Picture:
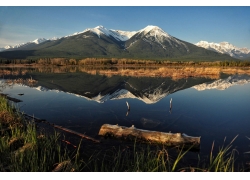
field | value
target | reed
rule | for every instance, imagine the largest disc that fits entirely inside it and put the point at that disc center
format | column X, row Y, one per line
column 24, row 149
column 224, row 160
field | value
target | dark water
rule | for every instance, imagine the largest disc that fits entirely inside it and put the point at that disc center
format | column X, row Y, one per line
column 214, row 109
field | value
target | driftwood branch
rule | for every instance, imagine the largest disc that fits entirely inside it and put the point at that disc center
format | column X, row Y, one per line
column 171, row 139
column 62, row 128
column 76, row 133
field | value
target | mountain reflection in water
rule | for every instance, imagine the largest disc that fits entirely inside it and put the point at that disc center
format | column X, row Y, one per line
column 207, row 102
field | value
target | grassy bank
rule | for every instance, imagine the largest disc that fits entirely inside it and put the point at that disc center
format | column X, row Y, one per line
column 24, row 147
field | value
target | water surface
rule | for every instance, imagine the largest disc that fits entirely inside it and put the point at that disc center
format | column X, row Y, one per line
column 213, row 107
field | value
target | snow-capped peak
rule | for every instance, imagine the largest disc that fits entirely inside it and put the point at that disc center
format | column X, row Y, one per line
column 36, row 41
column 150, row 28
column 100, row 30
column 100, row 27
column 39, row 40
column 225, row 48
column 154, row 30
column 8, row 47
column 154, row 34
column 117, row 34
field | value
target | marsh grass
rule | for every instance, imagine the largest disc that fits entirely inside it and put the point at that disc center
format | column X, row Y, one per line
column 137, row 158
column 224, row 160
column 8, row 114
column 23, row 149
column 26, row 151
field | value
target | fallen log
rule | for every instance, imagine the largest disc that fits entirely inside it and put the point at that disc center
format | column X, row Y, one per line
column 170, row 139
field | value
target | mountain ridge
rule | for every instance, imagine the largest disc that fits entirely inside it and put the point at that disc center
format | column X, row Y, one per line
column 226, row 48
column 150, row 42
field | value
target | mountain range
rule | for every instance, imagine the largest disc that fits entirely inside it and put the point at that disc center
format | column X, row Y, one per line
column 150, row 42
column 226, row 48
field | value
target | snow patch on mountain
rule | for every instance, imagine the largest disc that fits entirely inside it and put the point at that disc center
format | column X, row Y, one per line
column 223, row 84
column 74, row 34
column 98, row 31
column 124, row 35
column 117, row 34
column 39, row 40
column 101, row 30
column 36, row 41
column 156, row 34
column 225, row 48
column 54, row 38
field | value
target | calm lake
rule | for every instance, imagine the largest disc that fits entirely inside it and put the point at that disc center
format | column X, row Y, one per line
column 212, row 105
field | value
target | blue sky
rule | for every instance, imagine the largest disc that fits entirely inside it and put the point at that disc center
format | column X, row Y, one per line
column 21, row 24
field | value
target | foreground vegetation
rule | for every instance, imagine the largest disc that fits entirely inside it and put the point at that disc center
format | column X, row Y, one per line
column 23, row 148
column 26, row 147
